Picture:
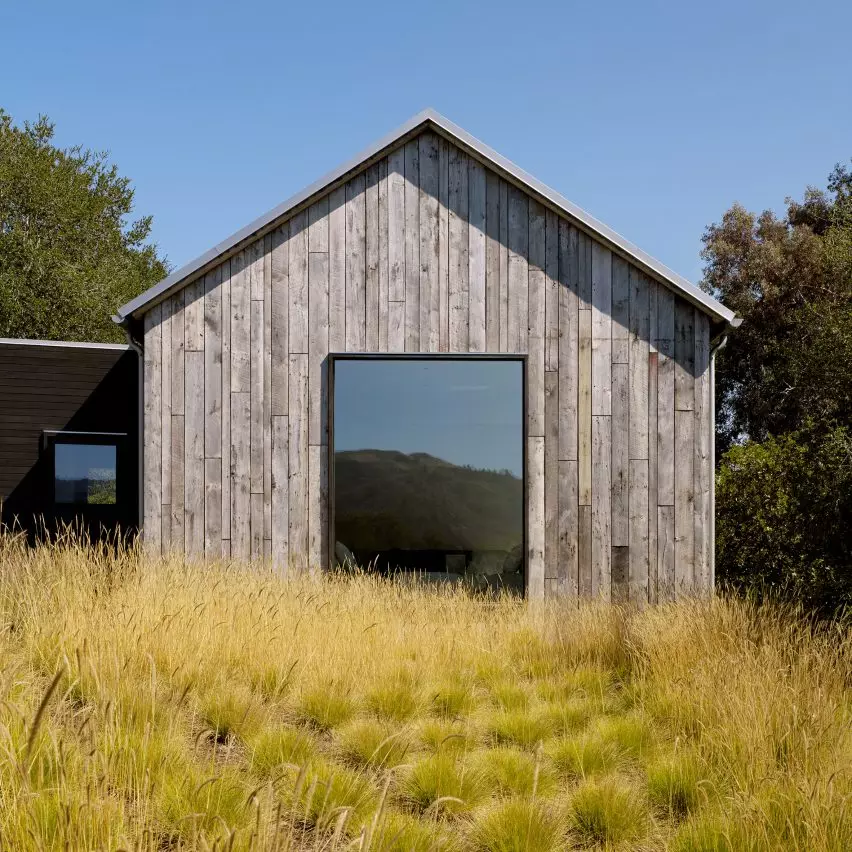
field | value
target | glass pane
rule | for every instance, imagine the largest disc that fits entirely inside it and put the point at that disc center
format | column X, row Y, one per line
column 428, row 467
column 84, row 473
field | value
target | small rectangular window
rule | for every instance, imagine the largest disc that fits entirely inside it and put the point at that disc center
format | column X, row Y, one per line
column 84, row 469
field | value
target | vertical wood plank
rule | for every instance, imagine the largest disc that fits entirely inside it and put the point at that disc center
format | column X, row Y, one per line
column 371, row 287
column 280, row 318
column 298, row 461
column 584, row 407
column 620, row 562
column 384, row 283
column 518, row 317
column 240, row 326
column 226, row 409
column 476, row 252
column 396, row 326
column 396, row 225
column 193, row 313
column 297, row 284
column 280, row 493
column 177, row 344
column 653, row 355
column 536, row 319
column 257, row 385
column 601, row 330
column 569, row 524
column 703, row 471
column 620, row 454
column 167, row 309
column 194, row 453
column 551, row 474
column 318, row 519
column 639, row 530
column 178, row 515
column 318, row 346
column 443, row 245
column 569, row 342
column 240, row 475
column 459, row 265
column 665, row 398
column 666, row 553
column 429, row 295
column 551, row 310
column 318, row 226
column 152, row 425
column 535, row 517
column 492, row 262
column 684, row 502
column 213, row 370
column 620, row 310
column 504, row 265
column 337, row 270
column 584, row 270
column 640, row 334
column 256, row 524
column 584, row 539
column 213, row 508
column 412, row 246
column 684, row 356
column 267, row 394
column 254, row 253
column 356, row 268
column 601, row 506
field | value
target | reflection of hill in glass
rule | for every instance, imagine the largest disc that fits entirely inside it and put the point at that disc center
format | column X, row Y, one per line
column 86, row 491
column 386, row 499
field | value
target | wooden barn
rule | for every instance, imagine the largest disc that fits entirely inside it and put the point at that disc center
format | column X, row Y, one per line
column 429, row 361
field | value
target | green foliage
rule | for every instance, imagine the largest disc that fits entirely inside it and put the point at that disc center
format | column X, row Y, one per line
column 784, row 516
column 519, row 825
column 69, row 256
column 608, row 811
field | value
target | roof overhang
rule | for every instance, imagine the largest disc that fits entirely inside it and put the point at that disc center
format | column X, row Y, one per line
column 428, row 119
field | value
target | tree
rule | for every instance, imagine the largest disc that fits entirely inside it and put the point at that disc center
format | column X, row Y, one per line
column 784, row 396
column 69, row 255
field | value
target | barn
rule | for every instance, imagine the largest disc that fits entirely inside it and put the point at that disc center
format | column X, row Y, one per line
column 429, row 361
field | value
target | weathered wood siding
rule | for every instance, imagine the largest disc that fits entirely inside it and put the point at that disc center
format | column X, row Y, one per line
column 428, row 250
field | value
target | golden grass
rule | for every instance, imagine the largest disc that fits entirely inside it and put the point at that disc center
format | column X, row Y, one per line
column 153, row 704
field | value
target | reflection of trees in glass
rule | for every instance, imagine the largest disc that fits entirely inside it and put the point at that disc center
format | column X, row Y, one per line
column 102, row 491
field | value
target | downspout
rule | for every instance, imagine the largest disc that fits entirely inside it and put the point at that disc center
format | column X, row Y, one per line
column 137, row 347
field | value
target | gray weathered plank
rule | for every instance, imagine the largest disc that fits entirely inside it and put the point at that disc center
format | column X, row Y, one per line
column 702, row 463
column 601, row 330
column 653, row 357
column 639, row 530
column 518, row 316
column 476, row 255
column 318, row 225
column 257, row 388
column 226, row 408
column 620, row 561
column 371, row 287
column 584, row 407
column 504, row 265
column 601, row 506
column 337, row 270
column 267, row 387
column 620, row 310
column 665, row 553
column 639, row 336
column 177, row 342
column 684, row 356
column 152, row 390
column 240, row 326
column 443, row 245
column 429, row 224
column 396, row 225
column 213, row 508
column 193, row 314
column 459, row 265
column 240, row 475
column 684, row 501
column 665, row 424
column 569, row 522
column 396, row 326
column 620, row 454
column 167, row 309
column 280, row 272
column 255, row 270
column 318, row 348
column 412, row 246
column 551, row 298
column 569, row 342
column 297, row 284
column 551, row 474
column 492, row 262
column 536, row 313
column 318, row 518
column 535, row 517
column 584, row 551
column 256, row 503
column 584, row 270
column 382, row 306
column 298, row 461
column 213, row 372
column 356, row 268
column 177, row 462
column 280, row 493
column 194, row 453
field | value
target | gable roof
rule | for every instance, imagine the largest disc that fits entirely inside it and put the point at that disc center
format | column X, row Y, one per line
column 428, row 119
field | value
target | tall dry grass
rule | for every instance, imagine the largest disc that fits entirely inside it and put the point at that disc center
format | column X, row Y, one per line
column 155, row 704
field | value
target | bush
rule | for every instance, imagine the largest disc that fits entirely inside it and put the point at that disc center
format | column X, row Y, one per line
column 784, row 517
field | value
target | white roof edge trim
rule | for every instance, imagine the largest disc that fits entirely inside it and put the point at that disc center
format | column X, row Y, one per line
column 65, row 344
column 455, row 133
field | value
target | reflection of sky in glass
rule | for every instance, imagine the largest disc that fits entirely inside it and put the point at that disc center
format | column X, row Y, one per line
column 467, row 412
column 85, row 461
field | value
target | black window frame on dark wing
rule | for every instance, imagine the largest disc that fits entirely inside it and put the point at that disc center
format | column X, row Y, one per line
column 335, row 357
column 101, row 513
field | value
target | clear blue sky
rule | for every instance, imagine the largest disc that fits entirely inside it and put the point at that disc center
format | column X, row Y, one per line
column 652, row 116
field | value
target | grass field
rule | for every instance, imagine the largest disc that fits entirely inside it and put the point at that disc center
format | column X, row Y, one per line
column 159, row 705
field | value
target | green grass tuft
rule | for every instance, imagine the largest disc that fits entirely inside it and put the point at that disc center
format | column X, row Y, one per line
column 443, row 783
column 675, row 784
column 396, row 697
column 326, row 708
column 583, row 756
column 523, row 728
column 276, row 747
column 518, row 825
column 608, row 811
column 369, row 742
column 511, row 772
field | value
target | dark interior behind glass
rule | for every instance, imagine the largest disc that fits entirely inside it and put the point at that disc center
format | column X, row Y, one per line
column 429, row 465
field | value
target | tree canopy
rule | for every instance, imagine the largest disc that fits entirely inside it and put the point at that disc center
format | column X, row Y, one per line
column 69, row 252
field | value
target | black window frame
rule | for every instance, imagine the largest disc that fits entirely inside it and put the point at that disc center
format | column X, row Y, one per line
column 521, row 357
column 123, row 480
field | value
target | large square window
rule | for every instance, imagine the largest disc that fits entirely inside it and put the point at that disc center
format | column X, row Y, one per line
column 84, row 472
column 428, row 466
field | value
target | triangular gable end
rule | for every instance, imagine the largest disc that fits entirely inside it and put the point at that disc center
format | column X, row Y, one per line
column 427, row 120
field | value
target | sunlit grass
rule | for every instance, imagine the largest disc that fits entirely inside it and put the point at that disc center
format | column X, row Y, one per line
column 154, row 704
